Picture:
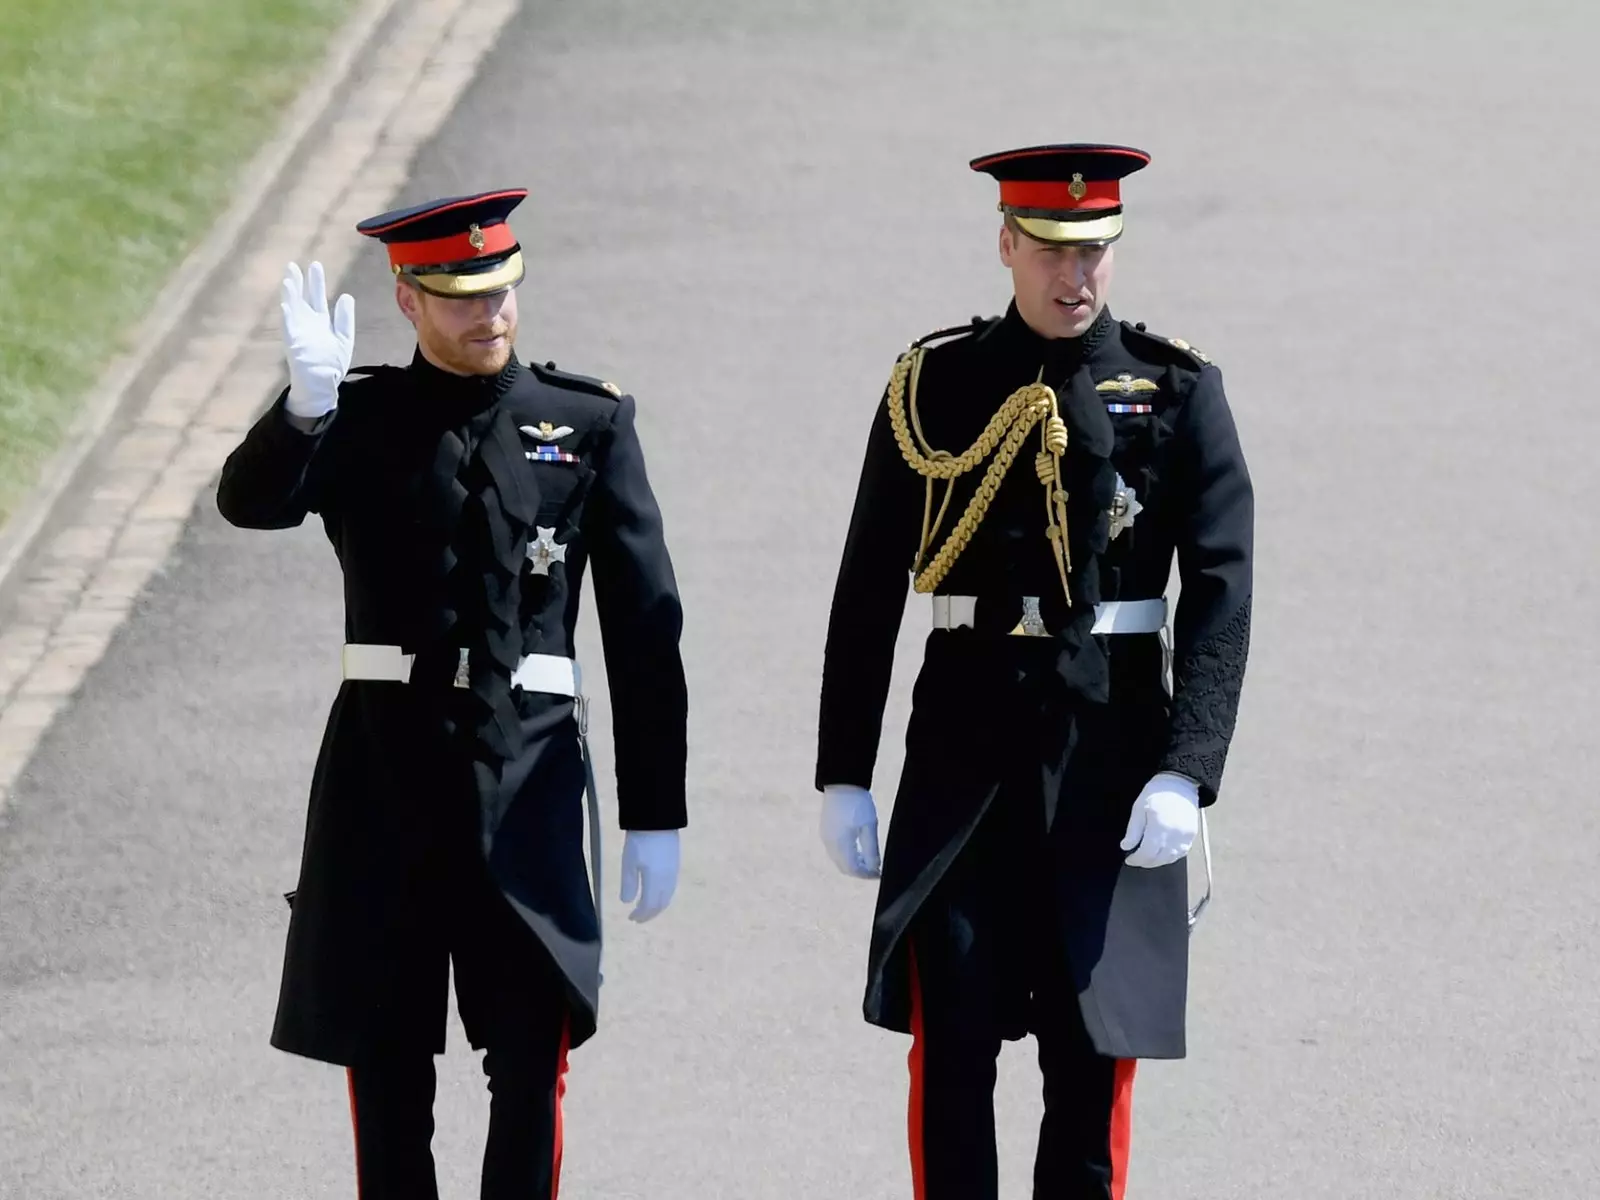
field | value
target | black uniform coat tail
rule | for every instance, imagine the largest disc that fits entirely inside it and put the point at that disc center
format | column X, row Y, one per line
column 1090, row 712
column 434, row 490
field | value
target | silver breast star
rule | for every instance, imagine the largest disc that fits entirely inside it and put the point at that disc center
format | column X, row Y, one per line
column 1125, row 507
column 545, row 550
column 1032, row 623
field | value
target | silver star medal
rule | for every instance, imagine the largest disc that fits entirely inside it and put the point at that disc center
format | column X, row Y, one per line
column 1125, row 507
column 545, row 550
column 1032, row 623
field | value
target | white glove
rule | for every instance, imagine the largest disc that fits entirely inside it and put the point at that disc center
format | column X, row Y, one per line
column 649, row 871
column 318, row 350
column 1165, row 819
column 850, row 830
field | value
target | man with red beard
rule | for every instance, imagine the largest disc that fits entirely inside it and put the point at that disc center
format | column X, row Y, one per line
column 464, row 494
column 1033, row 879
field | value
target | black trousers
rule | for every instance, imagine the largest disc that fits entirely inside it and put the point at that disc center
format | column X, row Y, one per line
column 513, row 1005
column 988, row 963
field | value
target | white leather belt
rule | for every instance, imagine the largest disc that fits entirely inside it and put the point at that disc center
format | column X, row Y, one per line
column 550, row 673
column 362, row 660
column 1114, row 616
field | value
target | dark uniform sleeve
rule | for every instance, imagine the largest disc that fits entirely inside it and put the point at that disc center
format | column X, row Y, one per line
column 869, row 599
column 280, row 472
column 1215, row 544
column 641, row 622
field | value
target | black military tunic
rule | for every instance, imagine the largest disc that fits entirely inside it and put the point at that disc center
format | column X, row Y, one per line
column 464, row 513
column 1089, row 715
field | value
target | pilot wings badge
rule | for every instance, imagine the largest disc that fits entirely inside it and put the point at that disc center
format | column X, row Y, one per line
column 546, row 432
column 547, row 435
column 1125, row 387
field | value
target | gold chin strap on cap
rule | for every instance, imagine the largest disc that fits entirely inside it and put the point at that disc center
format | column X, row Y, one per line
column 1007, row 429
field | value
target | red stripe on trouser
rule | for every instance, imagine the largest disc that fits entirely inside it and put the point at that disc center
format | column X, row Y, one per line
column 919, row 1178
column 561, row 1091
column 355, row 1125
column 1121, row 1124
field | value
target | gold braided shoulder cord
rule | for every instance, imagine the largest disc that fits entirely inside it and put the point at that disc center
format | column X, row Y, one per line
column 930, row 524
column 1006, row 431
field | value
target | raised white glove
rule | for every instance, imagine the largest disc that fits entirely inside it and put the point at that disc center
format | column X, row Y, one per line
column 316, row 348
column 849, row 830
column 649, row 871
column 1164, row 821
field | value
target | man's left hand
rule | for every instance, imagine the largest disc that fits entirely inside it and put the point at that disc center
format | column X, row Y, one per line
column 1164, row 822
column 649, row 871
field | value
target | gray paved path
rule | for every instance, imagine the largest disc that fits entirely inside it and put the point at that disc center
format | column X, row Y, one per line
column 1378, row 219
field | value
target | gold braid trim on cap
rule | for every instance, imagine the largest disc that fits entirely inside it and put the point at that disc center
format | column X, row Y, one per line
column 1006, row 431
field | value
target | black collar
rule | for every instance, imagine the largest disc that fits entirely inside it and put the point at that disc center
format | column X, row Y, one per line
column 462, row 395
column 1059, row 356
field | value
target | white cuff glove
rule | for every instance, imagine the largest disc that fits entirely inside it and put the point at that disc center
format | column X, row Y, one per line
column 1165, row 819
column 649, row 871
column 316, row 348
column 850, row 830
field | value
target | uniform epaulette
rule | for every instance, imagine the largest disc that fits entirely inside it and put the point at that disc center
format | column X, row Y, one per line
column 971, row 326
column 357, row 380
column 581, row 383
column 1190, row 353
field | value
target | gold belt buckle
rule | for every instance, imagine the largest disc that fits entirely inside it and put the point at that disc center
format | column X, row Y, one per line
column 1032, row 623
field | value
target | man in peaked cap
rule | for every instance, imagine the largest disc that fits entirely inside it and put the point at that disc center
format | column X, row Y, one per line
column 465, row 494
column 1034, row 875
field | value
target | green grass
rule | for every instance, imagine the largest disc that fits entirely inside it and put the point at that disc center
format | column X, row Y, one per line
column 123, row 124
